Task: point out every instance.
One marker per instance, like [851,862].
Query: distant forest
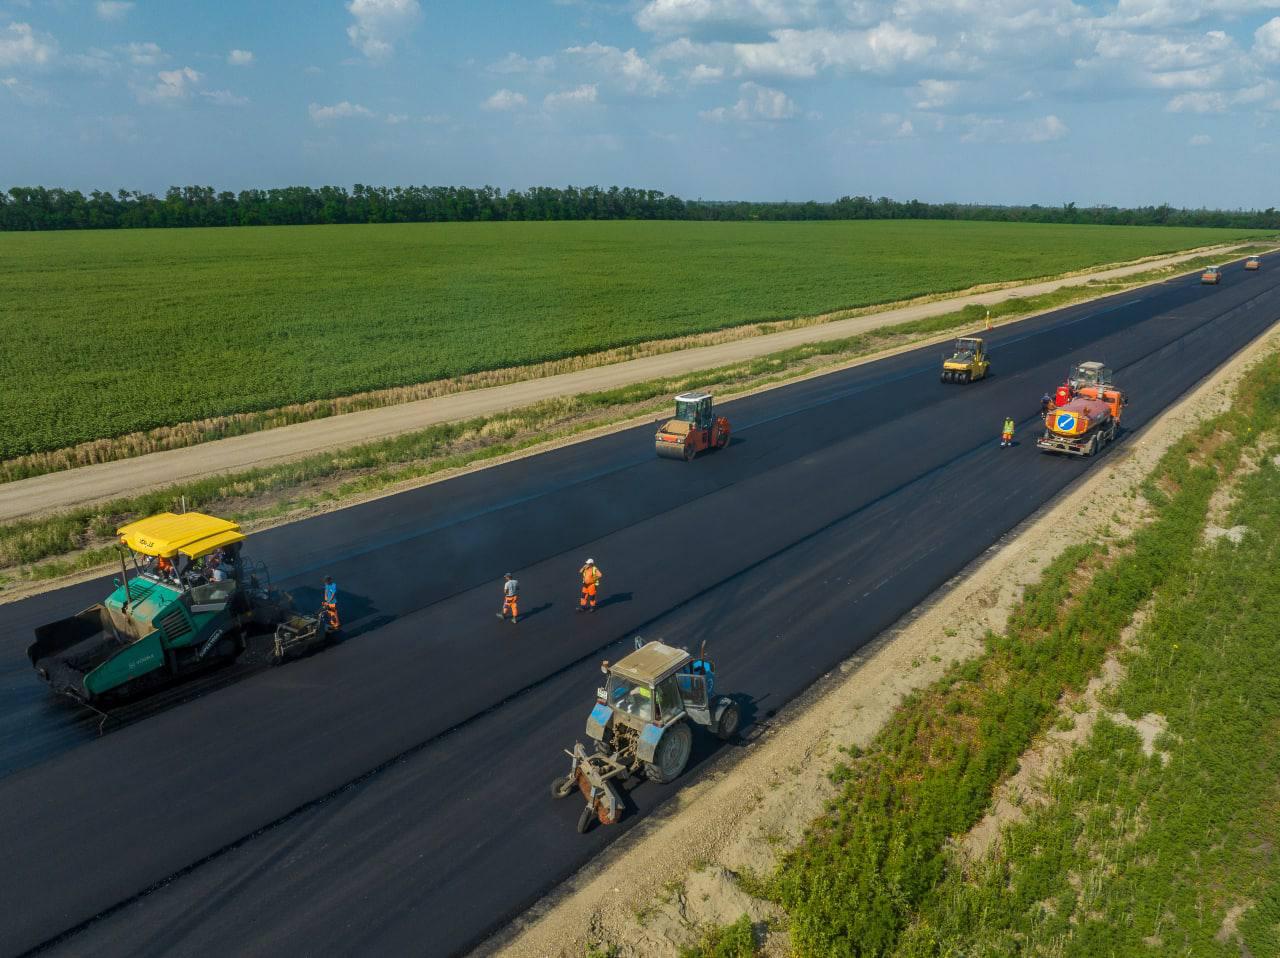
[38,208]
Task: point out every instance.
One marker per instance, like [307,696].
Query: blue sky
[1016,101]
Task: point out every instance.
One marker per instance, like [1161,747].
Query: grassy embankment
[1130,855]
[80,539]
[110,333]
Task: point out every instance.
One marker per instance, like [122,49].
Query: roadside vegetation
[112,333]
[1171,849]
[81,539]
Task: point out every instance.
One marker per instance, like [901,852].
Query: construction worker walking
[1006,433]
[510,598]
[591,577]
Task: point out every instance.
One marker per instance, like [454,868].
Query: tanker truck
[1089,419]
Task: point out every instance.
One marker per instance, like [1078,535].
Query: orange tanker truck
[1089,419]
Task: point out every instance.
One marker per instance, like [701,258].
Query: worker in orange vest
[329,604]
[510,598]
[591,577]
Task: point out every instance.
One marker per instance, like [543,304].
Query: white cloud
[23,91]
[1200,139]
[379,23]
[395,119]
[20,46]
[515,63]
[905,128]
[240,58]
[505,100]
[1266,41]
[1045,129]
[755,103]
[172,86]
[112,9]
[145,54]
[338,111]
[932,94]
[684,16]
[706,74]
[985,129]
[803,53]
[1213,102]
[623,68]
[579,96]
[224,97]
[436,118]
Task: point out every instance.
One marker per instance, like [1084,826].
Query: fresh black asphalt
[390,794]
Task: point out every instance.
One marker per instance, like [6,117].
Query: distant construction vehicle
[1253,263]
[175,614]
[695,428]
[966,362]
[1090,418]
[1211,276]
[642,724]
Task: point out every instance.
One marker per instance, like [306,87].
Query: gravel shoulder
[682,869]
[108,480]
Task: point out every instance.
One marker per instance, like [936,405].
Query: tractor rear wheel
[672,754]
[966,376]
[563,787]
[727,727]
[587,819]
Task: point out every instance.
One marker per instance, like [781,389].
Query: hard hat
[591,562]
[507,575]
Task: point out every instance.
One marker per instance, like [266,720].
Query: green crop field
[111,332]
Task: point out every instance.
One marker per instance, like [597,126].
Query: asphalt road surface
[390,794]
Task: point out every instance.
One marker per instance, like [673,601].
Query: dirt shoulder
[684,868]
[107,480]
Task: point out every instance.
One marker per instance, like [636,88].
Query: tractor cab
[963,350]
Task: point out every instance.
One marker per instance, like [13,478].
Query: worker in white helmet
[591,577]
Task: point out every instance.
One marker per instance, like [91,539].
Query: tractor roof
[693,396]
[970,339]
[192,533]
[1091,365]
[651,663]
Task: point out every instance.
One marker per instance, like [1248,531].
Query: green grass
[1132,856]
[108,333]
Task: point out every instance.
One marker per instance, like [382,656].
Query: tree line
[41,208]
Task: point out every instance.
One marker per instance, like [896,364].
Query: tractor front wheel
[587,819]
[672,754]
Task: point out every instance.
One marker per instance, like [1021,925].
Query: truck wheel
[672,754]
[689,452]
[727,727]
[563,787]
[587,819]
